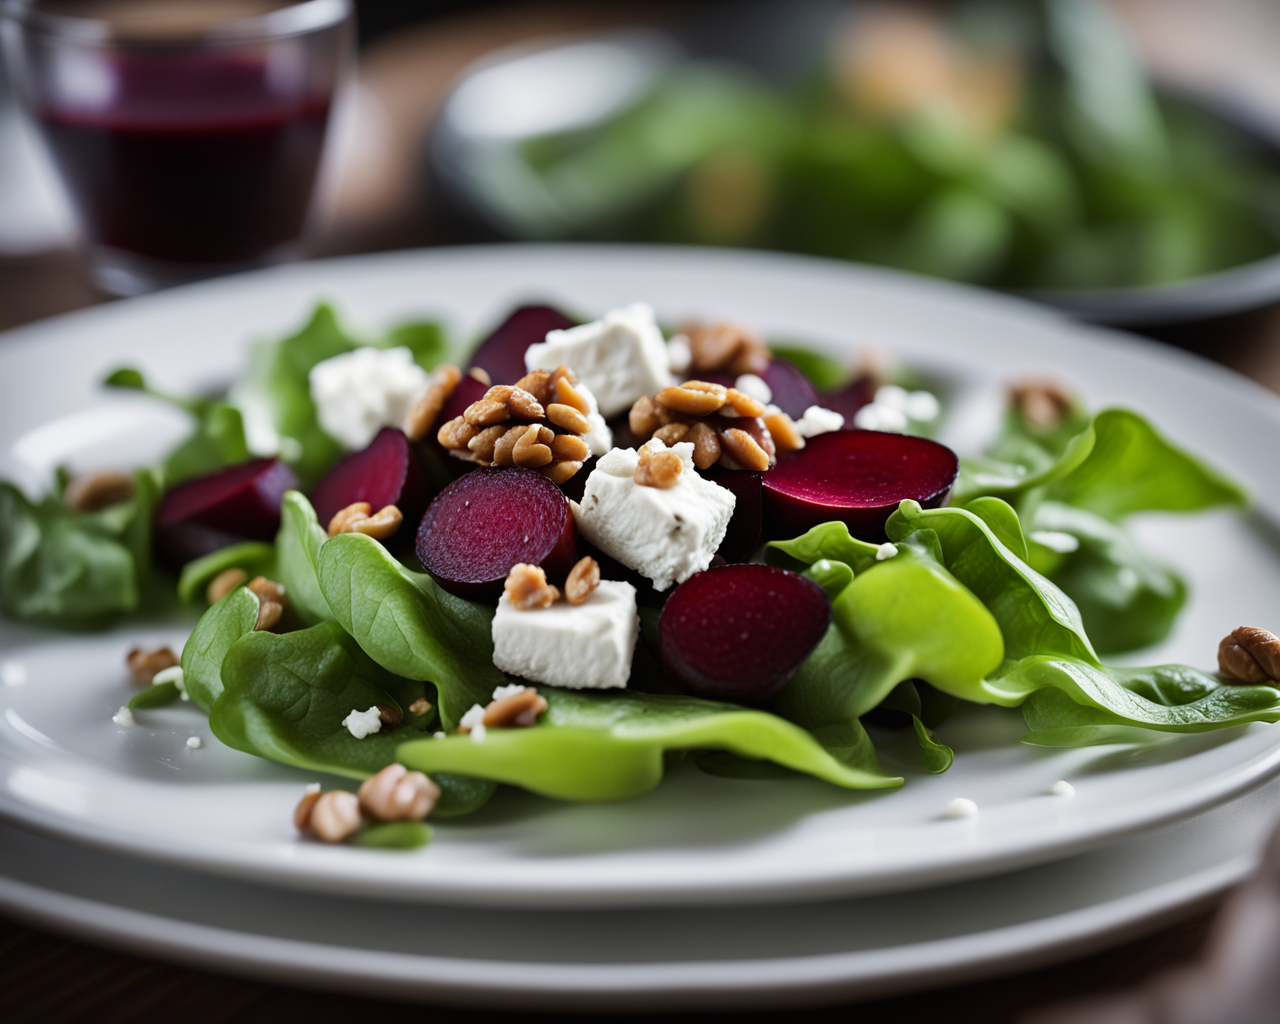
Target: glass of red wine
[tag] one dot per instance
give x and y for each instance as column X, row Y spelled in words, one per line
column 188, row 133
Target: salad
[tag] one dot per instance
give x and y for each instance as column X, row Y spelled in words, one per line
column 584, row 551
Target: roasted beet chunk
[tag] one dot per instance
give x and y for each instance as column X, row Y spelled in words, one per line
column 385, row 473
column 485, row 522
column 743, row 536
column 856, row 477
column 234, row 504
column 739, row 632
column 501, row 355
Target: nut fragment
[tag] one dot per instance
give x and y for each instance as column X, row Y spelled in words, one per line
column 397, row 794
column 420, row 706
column 527, row 588
column 661, row 470
column 302, row 813
column 671, row 433
column 504, row 447
column 1249, row 655
column 525, row 406
column 343, row 519
column 693, row 397
column 269, row 613
column 455, row 433
column 389, row 715
column 1043, row 403
column 380, row 525
column 567, row 394
column 483, row 444
column 559, row 472
column 538, row 384
column 143, row 665
column 583, row 578
column 706, row 445
column 643, row 417
column 515, row 710
column 271, row 601
column 426, row 410
column 93, row 492
column 529, row 451
column 486, row 412
column 225, row 582
column 568, row 418
column 335, row 816
column 569, row 448
column 481, row 374
column 725, row 347
column 782, row 428
column 742, row 403
column 742, row 448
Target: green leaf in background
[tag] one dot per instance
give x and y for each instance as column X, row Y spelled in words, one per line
column 829, row 541
column 831, row 576
column 235, row 616
column 155, row 696
column 74, row 569
column 297, row 552
column 408, row 625
column 426, row 340
column 610, row 746
column 253, row 556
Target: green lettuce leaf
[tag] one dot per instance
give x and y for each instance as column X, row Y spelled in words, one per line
column 253, row 556
column 297, row 552
column 232, row 618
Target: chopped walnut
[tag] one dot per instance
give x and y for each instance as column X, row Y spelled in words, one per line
column 583, row 579
column 703, row 413
column 527, row 588
column 725, row 348
column 357, row 518
column 334, row 816
column 143, row 665
column 397, row 794
column 420, row 706
column 515, row 710
column 422, row 415
column 271, row 602
column 658, row 469
column 550, row 417
column 1043, row 403
column 1249, row 655
column 93, row 492
column 782, row 428
column 225, row 582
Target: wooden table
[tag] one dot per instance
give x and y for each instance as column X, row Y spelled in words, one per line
column 44, row 977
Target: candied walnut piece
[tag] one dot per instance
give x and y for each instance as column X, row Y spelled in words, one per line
column 483, row 444
column 743, row 449
column 670, row 433
column 389, row 715
column 782, row 428
column 344, row 518
column 225, row 582
column 728, row 348
column 515, row 711
column 481, row 374
column 527, row 588
column 397, row 794
column 525, row 406
column 706, row 445
column 568, row 418
column 583, row 579
column 659, row 469
column 420, row 706
column 504, row 447
column 381, row 525
column 568, row 394
column 143, row 665
column 486, row 412
column 302, row 813
column 1042, row 402
column 741, row 403
column 335, row 816
column 456, row 433
column 424, row 412
column 693, row 398
column 92, row 492
column 529, row 451
column 643, row 417
column 559, row 472
column 271, row 601
column 538, row 384
column 1249, row 655
column 569, row 448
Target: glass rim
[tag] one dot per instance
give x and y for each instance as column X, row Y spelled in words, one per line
column 292, row 19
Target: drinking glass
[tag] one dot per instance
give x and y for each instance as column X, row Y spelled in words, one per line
column 188, row 134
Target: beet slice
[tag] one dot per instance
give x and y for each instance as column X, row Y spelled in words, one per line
column 215, row 511
column 743, row 536
column 387, row 472
column 857, row 477
column 739, row 632
column 501, row 355
column 485, row 522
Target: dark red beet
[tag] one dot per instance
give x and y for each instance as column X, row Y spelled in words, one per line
column 856, row 477
column 235, row 504
column 387, row 472
column 485, row 522
column 793, row 392
column 501, row 355
column 743, row 536
column 850, row 398
column 738, row 633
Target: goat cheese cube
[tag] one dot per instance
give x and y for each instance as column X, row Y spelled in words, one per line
column 666, row 534
column 586, row 646
column 599, row 438
column 619, row 357
column 358, row 393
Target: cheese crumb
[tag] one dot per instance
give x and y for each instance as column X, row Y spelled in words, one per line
column 1063, row 788
column 961, row 808
column 438, row 736
column 922, row 406
column 502, row 692
column 358, row 393
column 478, row 733
column 880, row 417
column 886, row 550
column 123, row 717
column 758, row 388
column 363, row 723
column 173, row 674
column 679, row 354
column 473, row 717
column 817, row 420
column 194, row 742
column 312, row 787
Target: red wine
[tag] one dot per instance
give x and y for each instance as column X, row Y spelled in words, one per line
column 198, row 158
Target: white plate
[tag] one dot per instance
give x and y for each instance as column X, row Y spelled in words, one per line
column 69, row 771
column 641, row 959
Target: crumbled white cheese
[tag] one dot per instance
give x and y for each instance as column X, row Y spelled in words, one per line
column 1063, row 788
column 363, row 723
column 193, row 742
column 438, row 736
column 599, row 438
column 173, row 674
column 880, row 417
column 619, row 357
column 922, row 407
column 1055, row 540
column 359, row 392
column 473, row 717
column 478, row 733
column 886, row 550
column 123, row 717
column 758, row 388
column 311, row 787
column 584, row 646
column 961, row 808
column 13, row 673
column 666, row 534
column 679, row 354
column 891, row 396
column 817, row 420
column 503, row 692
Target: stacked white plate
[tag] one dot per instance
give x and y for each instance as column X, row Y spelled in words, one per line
column 719, row 892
